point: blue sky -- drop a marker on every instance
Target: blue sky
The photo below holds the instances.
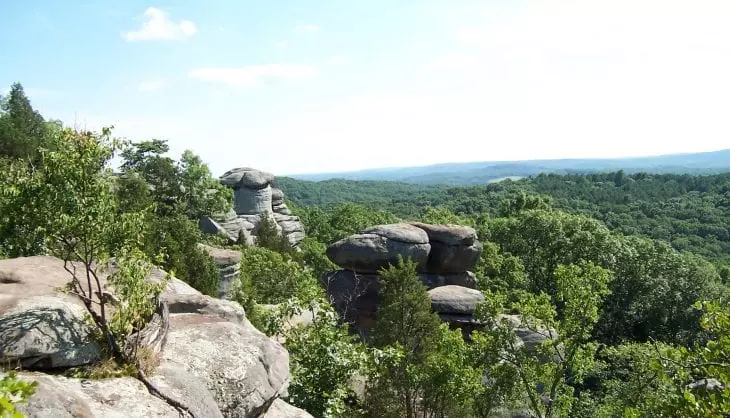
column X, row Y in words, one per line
column 316, row 86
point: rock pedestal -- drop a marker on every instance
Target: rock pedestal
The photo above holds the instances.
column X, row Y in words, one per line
column 253, row 198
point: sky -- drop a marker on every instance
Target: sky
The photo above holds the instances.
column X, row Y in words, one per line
column 294, row 87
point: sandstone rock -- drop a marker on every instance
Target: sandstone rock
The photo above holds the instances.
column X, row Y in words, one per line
column 281, row 409
column 402, row 232
column 187, row 389
column 205, row 305
column 454, row 248
column 288, row 223
column 228, row 262
column 241, row 367
column 295, row 238
column 380, row 246
column 248, row 201
column 448, row 234
column 209, row 226
column 277, row 196
column 246, row 177
column 281, row 209
column 354, row 296
column 62, row 397
column 454, row 299
column 45, row 332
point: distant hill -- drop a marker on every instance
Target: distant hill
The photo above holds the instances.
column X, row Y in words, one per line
column 489, row 171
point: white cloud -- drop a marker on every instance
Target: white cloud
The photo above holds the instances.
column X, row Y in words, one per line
column 151, row 85
column 308, row 28
column 282, row 44
column 253, row 75
column 159, row 27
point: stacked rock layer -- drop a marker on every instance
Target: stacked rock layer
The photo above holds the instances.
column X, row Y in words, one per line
column 444, row 254
column 253, row 199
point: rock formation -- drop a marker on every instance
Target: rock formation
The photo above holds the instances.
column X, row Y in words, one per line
column 229, row 267
column 213, row 360
column 253, row 198
column 444, row 255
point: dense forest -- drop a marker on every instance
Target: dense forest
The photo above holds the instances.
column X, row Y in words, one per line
column 625, row 277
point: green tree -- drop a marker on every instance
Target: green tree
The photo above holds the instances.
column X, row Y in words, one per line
column 406, row 323
column 565, row 356
column 14, row 391
column 22, row 129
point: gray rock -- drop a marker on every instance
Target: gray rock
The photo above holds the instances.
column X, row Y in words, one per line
column 277, row 196
column 63, row 397
column 45, row 332
column 288, row 223
column 246, row 177
column 240, row 366
column 379, row 247
column 448, row 234
column 205, row 305
column 281, row 409
column 455, row 299
column 209, row 226
column 450, row 259
column 706, row 385
column 401, row 232
column 295, row 238
column 248, row 201
column 223, row 257
column 529, row 339
column 187, row 389
column 281, row 209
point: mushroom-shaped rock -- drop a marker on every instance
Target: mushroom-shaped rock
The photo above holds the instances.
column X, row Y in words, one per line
column 455, row 299
column 250, row 201
column 454, row 248
column 379, row 246
column 246, row 177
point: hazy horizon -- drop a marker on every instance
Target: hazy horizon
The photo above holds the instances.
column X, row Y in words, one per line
column 329, row 87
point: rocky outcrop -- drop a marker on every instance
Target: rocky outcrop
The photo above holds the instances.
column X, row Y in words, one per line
column 456, row 305
column 229, row 267
column 444, row 255
column 213, row 360
column 380, row 246
column 253, row 198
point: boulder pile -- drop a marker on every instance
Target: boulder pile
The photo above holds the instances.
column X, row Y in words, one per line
column 212, row 360
column 444, row 254
column 253, row 199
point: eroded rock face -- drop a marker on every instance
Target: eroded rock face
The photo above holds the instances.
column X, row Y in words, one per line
column 455, row 300
column 454, row 248
column 229, row 267
column 281, row 409
column 46, row 332
column 213, row 360
column 254, row 198
column 379, row 247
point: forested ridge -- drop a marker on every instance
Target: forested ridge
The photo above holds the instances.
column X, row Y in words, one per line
column 692, row 212
column 596, row 295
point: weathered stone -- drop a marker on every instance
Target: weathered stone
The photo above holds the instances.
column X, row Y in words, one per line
column 248, row 201
column 223, row 257
column 246, row 177
column 448, row 234
column 450, row 259
column 354, row 296
column 281, row 409
column 529, row 339
column 281, row 209
column 295, row 238
column 209, row 226
column 454, row 299
column 379, row 247
column 63, row 397
column 401, row 232
column 277, row 196
column 45, row 332
column 288, row 223
column 185, row 388
column 205, row 305
column 241, row 367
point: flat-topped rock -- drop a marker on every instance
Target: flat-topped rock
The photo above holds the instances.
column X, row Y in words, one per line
column 222, row 256
column 401, row 232
column 246, row 177
column 448, row 234
column 453, row 299
column 369, row 253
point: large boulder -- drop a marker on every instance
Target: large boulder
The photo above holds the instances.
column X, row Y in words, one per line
column 281, row 409
column 454, row 248
column 209, row 226
column 354, row 296
column 380, row 246
column 65, row 397
column 465, row 279
column 455, row 300
column 243, row 369
column 47, row 332
column 246, row 177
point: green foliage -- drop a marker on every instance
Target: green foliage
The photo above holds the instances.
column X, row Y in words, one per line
column 268, row 235
column 313, row 255
column 339, row 221
column 14, row 391
column 566, row 355
column 22, row 129
column 405, row 323
column 324, row 360
column 177, row 238
column 269, row 277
